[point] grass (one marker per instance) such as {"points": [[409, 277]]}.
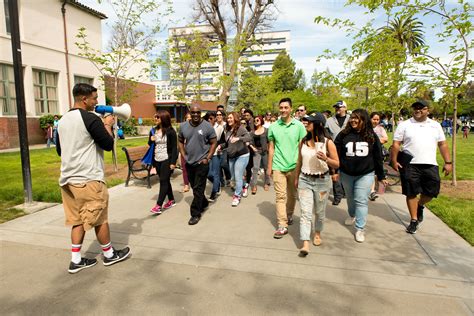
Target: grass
{"points": [[45, 167], [456, 213]]}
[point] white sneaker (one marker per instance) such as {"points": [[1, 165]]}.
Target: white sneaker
{"points": [[349, 221], [360, 235], [245, 190], [235, 200]]}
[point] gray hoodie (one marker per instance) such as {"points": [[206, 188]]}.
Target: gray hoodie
{"points": [[333, 126]]}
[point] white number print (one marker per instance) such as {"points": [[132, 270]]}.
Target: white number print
{"points": [[361, 149]]}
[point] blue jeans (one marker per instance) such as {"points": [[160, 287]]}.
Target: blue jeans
{"points": [[357, 194], [313, 194], [237, 167], [214, 172]]}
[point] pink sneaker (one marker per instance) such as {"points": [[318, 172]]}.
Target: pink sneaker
{"points": [[156, 209], [169, 204]]}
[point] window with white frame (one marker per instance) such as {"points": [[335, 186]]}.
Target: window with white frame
{"points": [[7, 90], [46, 91], [81, 79], [7, 16]]}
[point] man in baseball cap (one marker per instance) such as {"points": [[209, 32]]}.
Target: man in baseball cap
{"points": [[334, 125]]}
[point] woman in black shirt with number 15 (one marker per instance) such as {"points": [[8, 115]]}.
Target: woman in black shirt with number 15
{"points": [[360, 156]]}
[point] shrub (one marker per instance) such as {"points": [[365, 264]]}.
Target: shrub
{"points": [[130, 127], [45, 119]]}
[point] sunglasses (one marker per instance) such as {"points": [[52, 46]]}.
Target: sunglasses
{"points": [[218, 114], [195, 112], [299, 110]]}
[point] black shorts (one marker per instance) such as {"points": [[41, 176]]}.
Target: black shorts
{"points": [[420, 178]]}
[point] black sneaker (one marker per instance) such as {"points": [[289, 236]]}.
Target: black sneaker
{"points": [[373, 196], [213, 197], [290, 220], [419, 213], [84, 264], [119, 255], [336, 202], [413, 227]]}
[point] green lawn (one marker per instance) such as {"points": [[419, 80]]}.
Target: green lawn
{"points": [[45, 166], [456, 213]]}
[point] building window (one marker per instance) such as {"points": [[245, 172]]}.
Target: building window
{"points": [[7, 89], [46, 91], [80, 79], [7, 15]]}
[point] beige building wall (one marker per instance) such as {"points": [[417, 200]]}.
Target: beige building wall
{"points": [[42, 42]]}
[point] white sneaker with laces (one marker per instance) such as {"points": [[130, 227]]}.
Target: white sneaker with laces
{"points": [[360, 235], [349, 221]]}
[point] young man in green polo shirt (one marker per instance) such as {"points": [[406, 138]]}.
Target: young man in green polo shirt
{"points": [[284, 137]]}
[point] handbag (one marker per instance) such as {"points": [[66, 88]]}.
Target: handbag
{"points": [[404, 158], [147, 159]]}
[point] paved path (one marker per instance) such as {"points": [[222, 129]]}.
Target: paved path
{"points": [[230, 264]]}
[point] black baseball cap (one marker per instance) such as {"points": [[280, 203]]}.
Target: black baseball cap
{"points": [[419, 104], [316, 118]]}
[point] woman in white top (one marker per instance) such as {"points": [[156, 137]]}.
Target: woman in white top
{"points": [[317, 155]]}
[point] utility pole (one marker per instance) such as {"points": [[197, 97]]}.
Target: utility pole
{"points": [[20, 100]]}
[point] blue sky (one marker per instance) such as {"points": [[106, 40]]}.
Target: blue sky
{"points": [[308, 39]]}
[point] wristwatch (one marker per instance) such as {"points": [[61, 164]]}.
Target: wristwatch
{"points": [[448, 162]]}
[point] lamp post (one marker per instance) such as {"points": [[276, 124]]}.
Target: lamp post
{"points": [[20, 100]]}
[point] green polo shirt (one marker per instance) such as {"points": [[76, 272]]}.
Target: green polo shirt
{"points": [[286, 138]]}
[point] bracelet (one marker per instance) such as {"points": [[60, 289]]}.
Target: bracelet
{"points": [[448, 162]]}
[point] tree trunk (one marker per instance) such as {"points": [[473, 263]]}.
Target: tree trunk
{"points": [[453, 151]]}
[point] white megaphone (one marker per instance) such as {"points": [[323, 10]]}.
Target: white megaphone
{"points": [[124, 111]]}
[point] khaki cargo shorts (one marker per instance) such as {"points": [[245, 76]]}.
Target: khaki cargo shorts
{"points": [[85, 204]]}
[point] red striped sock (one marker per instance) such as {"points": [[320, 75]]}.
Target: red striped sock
{"points": [[76, 253], [108, 250]]}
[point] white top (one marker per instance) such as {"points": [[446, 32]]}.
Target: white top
{"points": [[420, 139], [310, 163], [219, 129], [161, 149]]}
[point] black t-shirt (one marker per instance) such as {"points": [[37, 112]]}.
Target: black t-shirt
{"points": [[357, 156]]}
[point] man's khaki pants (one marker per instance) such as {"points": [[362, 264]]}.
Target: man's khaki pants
{"points": [[284, 183]]}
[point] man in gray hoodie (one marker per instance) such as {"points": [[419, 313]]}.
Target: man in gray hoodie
{"points": [[334, 125]]}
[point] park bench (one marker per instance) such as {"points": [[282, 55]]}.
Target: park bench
{"points": [[136, 169]]}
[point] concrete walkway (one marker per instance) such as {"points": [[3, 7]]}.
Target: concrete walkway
{"points": [[229, 264]]}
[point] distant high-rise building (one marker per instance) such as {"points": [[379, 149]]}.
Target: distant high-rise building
{"points": [[165, 67], [260, 56]]}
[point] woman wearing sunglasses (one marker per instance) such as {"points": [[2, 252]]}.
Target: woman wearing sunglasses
{"points": [[259, 146]]}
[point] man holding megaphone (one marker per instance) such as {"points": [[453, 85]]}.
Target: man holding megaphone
{"points": [[81, 140]]}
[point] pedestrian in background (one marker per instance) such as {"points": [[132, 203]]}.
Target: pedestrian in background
{"points": [[164, 158], [259, 145], [237, 141]]}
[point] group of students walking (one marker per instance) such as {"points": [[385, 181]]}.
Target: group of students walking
{"points": [[304, 157]]}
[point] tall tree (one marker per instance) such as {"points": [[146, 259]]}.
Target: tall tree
{"points": [[133, 39], [243, 18], [253, 89], [454, 22], [283, 72], [188, 52]]}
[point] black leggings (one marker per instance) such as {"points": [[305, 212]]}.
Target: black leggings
{"points": [[164, 171]]}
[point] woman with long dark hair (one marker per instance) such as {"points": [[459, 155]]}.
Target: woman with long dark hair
{"points": [[237, 140], [382, 135], [164, 159], [360, 154], [317, 155], [259, 145]]}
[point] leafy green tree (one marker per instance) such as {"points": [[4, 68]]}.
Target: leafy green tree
{"points": [[253, 89], [241, 18], [454, 22], [188, 53], [283, 73], [133, 39]]}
